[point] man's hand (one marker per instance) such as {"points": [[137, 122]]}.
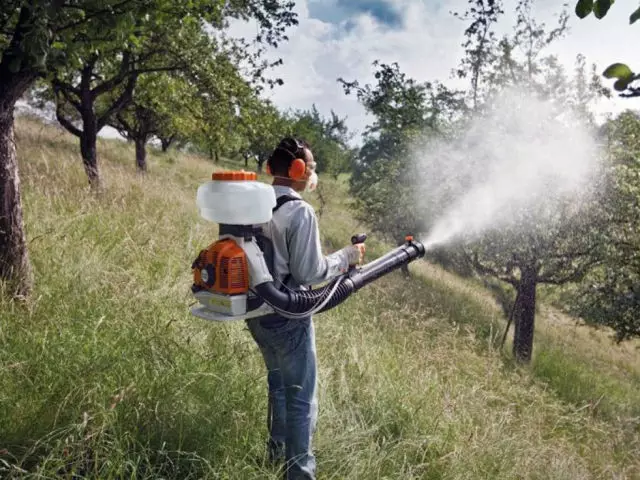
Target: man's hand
{"points": [[355, 253]]}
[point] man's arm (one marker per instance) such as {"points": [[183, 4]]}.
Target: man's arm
{"points": [[307, 264]]}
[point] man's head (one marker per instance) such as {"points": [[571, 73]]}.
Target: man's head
{"points": [[291, 163]]}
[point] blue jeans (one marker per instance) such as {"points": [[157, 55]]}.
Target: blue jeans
{"points": [[289, 351]]}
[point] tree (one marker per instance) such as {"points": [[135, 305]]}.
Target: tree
{"points": [[149, 113], [620, 71], [480, 42], [220, 106], [30, 34], [147, 37], [610, 293], [556, 241], [264, 125], [328, 137]]}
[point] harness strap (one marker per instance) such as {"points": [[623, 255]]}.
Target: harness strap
{"points": [[282, 200], [279, 203]]}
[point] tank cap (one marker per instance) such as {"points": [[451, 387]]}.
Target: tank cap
{"points": [[234, 176]]}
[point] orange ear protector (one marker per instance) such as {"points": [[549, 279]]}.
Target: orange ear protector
{"points": [[297, 168]]}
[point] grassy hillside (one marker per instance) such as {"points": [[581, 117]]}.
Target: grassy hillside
{"points": [[104, 374]]}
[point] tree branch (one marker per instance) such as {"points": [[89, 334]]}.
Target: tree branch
{"points": [[66, 89], [124, 126], [485, 270], [57, 83], [14, 84], [574, 276], [513, 311], [66, 123], [116, 80], [119, 103]]}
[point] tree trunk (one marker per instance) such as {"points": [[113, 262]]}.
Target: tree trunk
{"points": [[141, 154], [525, 315], [88, 146], [16, 76], [83, 99], [15, 269], [166, 143], [261, 161], [217, 156]]}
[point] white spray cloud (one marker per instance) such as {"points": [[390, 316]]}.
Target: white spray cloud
{"points": [[523, 158]]}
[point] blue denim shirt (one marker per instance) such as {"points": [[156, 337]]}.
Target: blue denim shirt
{"points": [[296, 242]]}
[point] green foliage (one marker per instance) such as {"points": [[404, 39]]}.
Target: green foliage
{"points": [[610, 295], [618, 70], [622, 72], [219, 106], [406, 114], [264, 125], [601, 7], [584, 8], [625, 77], [329, 139], [160, 107], [261, 126]]}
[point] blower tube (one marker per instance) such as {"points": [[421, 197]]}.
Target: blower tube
{"points": [[304, 301]]}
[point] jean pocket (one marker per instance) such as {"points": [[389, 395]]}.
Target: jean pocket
{"points": [[274, 323]]}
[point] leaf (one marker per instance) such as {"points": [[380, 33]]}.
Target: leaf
{"points": [[621, 85], [584, 8], [635, 16], [618, 70], [601, 7]]}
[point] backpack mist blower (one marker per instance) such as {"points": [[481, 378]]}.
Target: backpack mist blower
{"points": [[231, 277]]}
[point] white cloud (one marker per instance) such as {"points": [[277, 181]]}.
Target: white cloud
{"points": [[427, 47]]}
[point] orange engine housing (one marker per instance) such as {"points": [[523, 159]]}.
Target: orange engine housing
{"points": [[221, 268]]}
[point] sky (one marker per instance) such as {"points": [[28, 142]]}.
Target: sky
{"points": [[342, 38]]}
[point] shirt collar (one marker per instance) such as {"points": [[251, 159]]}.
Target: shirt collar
{"points": [[284, 190]]}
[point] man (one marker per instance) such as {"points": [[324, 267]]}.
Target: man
{"points": [[288, 346]]}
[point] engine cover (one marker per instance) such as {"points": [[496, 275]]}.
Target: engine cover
{"points": [[221, 268]]}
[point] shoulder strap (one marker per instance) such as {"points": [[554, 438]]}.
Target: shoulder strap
{"points": [[282, 200]]}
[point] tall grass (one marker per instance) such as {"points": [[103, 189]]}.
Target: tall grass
{"points": [[104, 374]]}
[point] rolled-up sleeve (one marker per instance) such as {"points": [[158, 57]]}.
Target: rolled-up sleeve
{"points": [[307, 264]]}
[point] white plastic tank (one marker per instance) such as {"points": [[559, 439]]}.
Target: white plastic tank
{"points": [[236, 198]]}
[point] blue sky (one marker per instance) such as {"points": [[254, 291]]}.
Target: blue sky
{"points": [[336, 11]]}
